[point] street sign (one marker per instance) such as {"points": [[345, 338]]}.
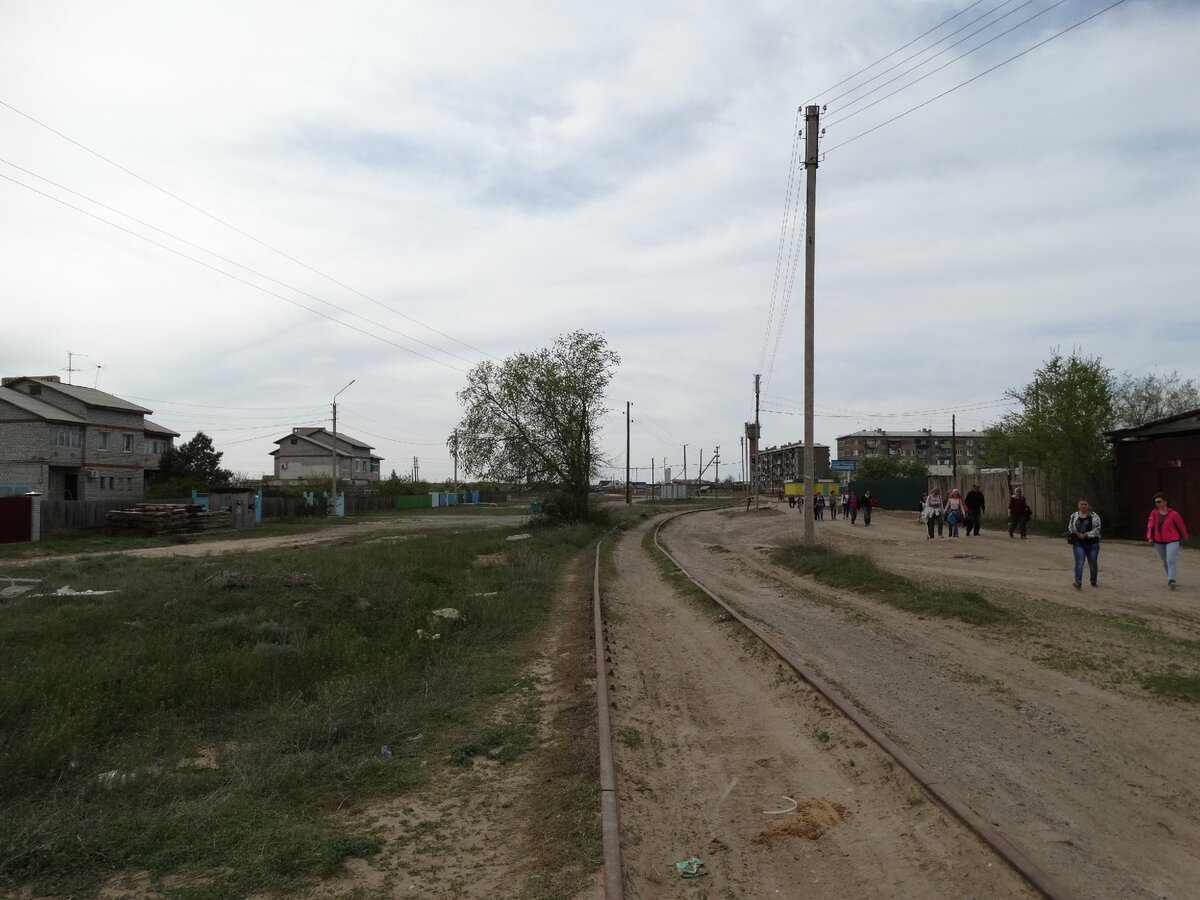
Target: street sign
{"points": [[843, 465]]}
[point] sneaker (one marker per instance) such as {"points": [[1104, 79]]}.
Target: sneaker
{"points": [[1094, 584], [1079, 585], [1170, 585]]}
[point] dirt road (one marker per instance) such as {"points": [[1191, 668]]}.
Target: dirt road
{"points": [[713, 735], [1043, 728]]}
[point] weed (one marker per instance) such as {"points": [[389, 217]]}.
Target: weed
{"points": [[1173, 686], [860, 574], [630, 737], [823, 737]]}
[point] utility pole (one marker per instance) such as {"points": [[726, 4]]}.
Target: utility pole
{"points": [[954, 450], [652, 478], [456, 459], [416, 470], [685, 463], [628, 486], [752, 457], [717, 467], [812, 132], [333, 448]]}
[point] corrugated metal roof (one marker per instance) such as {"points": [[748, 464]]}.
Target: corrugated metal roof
{"points": [[39, 408]]}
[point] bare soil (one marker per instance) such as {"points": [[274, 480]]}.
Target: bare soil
{"points": [[723, 754], [1044, 727]]}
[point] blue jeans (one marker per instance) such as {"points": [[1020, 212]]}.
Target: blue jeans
{"points": [[1168, 553], [1089, 551]]}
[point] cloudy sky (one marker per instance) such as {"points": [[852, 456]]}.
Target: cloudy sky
{"points": [[228, 211]]}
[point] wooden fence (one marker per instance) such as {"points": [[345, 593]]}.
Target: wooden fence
{"points": [[997, 489]]}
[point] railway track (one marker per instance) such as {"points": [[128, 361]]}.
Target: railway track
{"points": [[1034, 876]]}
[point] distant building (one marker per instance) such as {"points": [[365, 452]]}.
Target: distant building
{"points": [[933, 448], [69, 442], [306, 454], [776, 466], [1163, 455]]}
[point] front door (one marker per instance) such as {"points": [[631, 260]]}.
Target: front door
{"points": [[70, 487]]}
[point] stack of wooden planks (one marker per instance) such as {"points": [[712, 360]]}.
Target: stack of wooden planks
{"points": [[168, 518]]}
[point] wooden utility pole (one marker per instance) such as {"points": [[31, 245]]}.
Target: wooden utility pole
{"points": [[628, 486], [812, 132], [753, 452]]}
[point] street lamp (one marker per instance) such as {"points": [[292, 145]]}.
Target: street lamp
{"points": [[333, 449]]}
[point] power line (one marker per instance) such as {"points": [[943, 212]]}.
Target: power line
{"points": [[947, 64], [237, 278], [925, 50], [978, 76], [893, 53], [232, 227], [779, 254], [233, 262]]}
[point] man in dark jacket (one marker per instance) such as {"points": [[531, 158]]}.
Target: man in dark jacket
{"points": [[975, 506]]}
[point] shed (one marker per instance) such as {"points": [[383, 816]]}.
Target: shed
{"points": [[1163, 455], [239, 501]]}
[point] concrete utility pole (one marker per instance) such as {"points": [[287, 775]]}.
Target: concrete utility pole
{"points": [[333, 447], [812, 132], [456, 459], [628, 486], [685, 463], [954, 449], [754, 439]]}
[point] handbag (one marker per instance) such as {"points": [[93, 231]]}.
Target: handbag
{"points": [[1071, 537]]}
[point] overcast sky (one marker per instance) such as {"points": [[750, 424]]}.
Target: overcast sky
{"points": [[449, 180]]}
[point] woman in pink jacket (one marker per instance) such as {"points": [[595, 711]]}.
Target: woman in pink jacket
{"points": [[1165, 529]]}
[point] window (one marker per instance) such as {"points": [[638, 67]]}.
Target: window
{"points": [[67, 436], [127, 446], [102, 440], [155, 447]]}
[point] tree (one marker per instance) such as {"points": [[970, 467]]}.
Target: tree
{"points": [[1060, 428], [872, 467], [1141, 399], [196, 460], [533, 419]]}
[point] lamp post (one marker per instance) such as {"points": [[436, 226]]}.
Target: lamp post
{"points": [[333, 449]]}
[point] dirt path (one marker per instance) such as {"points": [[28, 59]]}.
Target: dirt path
{"points": [[712, 734], [1039, 727], [395, 529]]}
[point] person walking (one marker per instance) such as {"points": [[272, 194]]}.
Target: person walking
{"points": [[866, 504], [1083, 531], [833, 505], [975, 507], [1018, 513], [819, 507], [845, 506], [933, 513], [1165, 529], [852, 505], [956, 511]]}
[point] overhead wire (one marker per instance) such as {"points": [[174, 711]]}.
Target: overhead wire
{"points": [[924, 50], [976, 77], [894, 52], [232, 276], [234, 262], [779, 254], [232, 227], [918, 80]]}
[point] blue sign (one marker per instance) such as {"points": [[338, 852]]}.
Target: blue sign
{"points": [[843, 465]]}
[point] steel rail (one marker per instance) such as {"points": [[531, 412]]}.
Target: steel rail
{"points": [[610, 830], [1033, 874]]}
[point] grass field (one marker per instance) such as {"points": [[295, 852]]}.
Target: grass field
{"points": [[216, 723]]}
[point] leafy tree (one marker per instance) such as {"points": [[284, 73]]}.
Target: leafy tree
{"points": [[873, 467], [1060, 428], [532, 419], [1141, 399], [196, 461]]}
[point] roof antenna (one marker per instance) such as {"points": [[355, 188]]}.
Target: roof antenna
{"points": [[96, 383], [71, 365]]}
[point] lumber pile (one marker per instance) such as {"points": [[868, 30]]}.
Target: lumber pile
{"points": [[167, 518]]}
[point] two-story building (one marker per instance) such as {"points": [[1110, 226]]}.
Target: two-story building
{"points": [[307, 454], [70, 442]]}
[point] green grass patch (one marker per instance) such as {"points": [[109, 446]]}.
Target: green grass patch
{"points": [[860, 574], [630, 737], [225, 737], [1172, 685]]}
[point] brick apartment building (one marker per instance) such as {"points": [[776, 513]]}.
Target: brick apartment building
{"points": [[934, 448]]}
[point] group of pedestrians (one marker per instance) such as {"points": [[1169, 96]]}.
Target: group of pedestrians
{"points": [[954, 514], [851, 506]]}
